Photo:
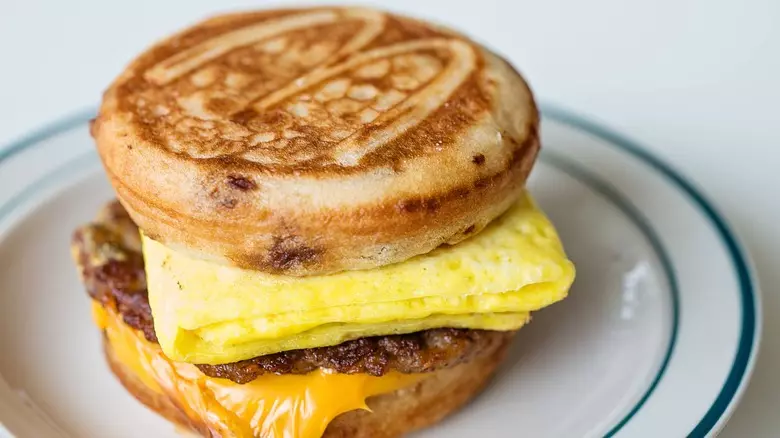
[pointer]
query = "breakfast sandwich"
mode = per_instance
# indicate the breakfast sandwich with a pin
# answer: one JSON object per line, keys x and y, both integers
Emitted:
{"x": 322, "y": 227}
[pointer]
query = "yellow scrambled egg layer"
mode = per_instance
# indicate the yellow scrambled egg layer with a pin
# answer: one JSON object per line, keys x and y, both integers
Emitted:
{"x": 210, "y": 313}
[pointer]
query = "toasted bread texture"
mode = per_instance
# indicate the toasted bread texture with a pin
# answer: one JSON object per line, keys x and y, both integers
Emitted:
{"x": 310, "y": 141}
{"x": 391, "y": 415}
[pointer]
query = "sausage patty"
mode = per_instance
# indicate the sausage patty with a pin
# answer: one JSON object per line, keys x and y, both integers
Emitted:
{"x": 108, "y": 254}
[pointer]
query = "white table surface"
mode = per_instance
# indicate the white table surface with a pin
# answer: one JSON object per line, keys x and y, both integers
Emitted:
{"x": 696, "y": 81}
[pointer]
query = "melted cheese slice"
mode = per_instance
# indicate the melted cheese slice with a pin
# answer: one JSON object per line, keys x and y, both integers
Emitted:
{"x": 210, "y": 313}
{"x": 289, "y": 406}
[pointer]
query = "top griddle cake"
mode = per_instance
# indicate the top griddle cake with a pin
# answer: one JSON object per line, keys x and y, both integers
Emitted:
{"x": 311, "y": 141}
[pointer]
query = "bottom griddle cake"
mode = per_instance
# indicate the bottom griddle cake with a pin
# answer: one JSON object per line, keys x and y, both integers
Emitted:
{"x": 108, "y": 254}
{"x": 393, "y": 414}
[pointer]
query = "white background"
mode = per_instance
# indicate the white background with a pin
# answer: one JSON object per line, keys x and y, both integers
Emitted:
{"x": 697, "y": 81}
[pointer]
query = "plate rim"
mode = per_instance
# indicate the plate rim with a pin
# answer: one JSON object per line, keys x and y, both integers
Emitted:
{"x": 750, "y": 297}
{"x": 611, "y": 193}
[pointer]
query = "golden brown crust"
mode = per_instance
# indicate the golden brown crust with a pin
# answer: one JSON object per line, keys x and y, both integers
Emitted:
{"x": 391, "y": 415}
{"x": 316, "y": 140}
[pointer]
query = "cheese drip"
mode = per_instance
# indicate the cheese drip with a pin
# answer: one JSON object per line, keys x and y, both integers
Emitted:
{"x": 205, "y": 312}
{"x": 271, "y": 406}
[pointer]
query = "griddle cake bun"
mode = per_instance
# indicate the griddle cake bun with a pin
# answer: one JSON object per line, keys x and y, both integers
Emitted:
{"x": 311, "y": 141}
{"x": 395, "y": 414}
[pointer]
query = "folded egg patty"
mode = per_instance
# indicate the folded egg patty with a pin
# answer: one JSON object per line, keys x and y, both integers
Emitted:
{"x": 212, "y": 313}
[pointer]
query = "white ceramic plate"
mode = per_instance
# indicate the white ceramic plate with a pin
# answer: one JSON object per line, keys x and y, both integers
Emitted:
{"x": 657, "y": 338}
